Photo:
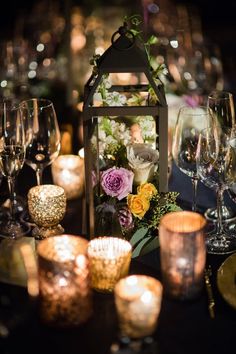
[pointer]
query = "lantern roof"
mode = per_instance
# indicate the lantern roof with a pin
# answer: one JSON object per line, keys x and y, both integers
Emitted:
{"x": 123, "y": 55}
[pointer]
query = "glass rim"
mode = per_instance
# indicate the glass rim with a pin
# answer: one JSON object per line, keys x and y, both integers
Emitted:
{"x": 170, "y": 222}
{"x": 194, "y": 110}
{"x": 223, "y": 95}
{"x": 45, "y": 102}
{"x": 5, "y": 105}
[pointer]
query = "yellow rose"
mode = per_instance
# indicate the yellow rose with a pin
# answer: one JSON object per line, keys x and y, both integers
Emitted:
{"x": 138, "y": 204}
{"x": 147, "y": 189}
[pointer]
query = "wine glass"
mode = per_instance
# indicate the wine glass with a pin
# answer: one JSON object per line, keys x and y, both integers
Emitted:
{"x": 222, "y": 108}
{"x": 230, "y": 227}
{"x": 190, "y": 121}
{"x": 212, "y": 165}
{"x": 42, "y": 134}
{"x": 12, "y": 156}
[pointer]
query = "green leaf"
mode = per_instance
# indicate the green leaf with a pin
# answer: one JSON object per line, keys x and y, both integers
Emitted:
{"x": 174, "y": 207}
{"x": 152, "y": 40}
{"x": 138, "y": 235}
{"x": 150, "y": 246}
{"x": 135, "y": 32}
{"x": 139, "y": 247}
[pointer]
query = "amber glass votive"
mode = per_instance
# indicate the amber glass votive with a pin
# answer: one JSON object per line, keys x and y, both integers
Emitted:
{"x": 68, "y": 172}
{"x": 109, "y": 259}
{"x": 47, "y": 207}
{"x": 138, "y": 302}
{"x": 64, "y": 281}
{"x": 183, "y": 253}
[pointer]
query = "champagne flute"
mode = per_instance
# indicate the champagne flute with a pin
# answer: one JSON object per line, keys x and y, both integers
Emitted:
{"x": 42, "y": 134}
{"x": 222, "y": 108}
{"x": 12, "y": 156}
{"x": 190, "y": 121}
{"x": 213, "y": 164}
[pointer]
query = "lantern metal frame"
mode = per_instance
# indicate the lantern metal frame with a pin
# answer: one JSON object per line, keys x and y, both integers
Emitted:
{"x": 123, "y": 56}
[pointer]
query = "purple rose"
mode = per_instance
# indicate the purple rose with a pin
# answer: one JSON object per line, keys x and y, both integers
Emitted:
{"x": 117, "y": 182}
{"x": 125, "y": 218}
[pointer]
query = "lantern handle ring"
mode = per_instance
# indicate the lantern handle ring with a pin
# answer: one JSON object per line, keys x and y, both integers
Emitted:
{"x": 123, "y": 31}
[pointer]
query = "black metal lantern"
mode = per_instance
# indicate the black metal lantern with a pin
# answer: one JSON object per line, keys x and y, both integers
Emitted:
{"x": 125, "y": 130}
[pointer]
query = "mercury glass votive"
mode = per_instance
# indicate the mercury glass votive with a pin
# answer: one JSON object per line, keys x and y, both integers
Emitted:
{"x": 138, "y": 302}
{"x": 109, "y": 259}
{"x": 64, "y": 280}
{"x": 47, "y": 207}
{"x": 68, "y": 172}
{"x": 182, "y": 253}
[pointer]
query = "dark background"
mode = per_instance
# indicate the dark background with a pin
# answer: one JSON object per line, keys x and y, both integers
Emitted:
{"x": 218, "y": 23}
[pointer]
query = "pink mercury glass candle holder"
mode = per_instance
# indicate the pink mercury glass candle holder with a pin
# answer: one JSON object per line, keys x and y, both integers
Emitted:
{"x": 183, "y": 254}
{"x": 64, "y": 280}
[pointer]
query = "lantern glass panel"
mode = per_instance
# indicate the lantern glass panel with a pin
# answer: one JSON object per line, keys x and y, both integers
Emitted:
{"x": 127, "y": 145}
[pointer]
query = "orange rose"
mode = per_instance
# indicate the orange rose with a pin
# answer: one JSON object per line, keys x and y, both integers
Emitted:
{"x": 138, "y": 204}
{"x": 147, "y": 189}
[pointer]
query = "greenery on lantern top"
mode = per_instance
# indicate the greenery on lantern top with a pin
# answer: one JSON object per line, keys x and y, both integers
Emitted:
{"x": 157, "y": 70}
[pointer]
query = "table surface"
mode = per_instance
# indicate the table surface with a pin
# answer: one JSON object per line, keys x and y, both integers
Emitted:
{"x": 183, "y": 327}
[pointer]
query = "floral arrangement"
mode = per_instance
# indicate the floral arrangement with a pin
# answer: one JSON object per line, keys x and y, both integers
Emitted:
{"x": 127, "y": 201}
{"x": 137, "y": 215}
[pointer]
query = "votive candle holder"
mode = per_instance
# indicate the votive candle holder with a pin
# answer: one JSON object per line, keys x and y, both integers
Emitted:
{"x": 109, "y": 259}
{"x": 64, "y": 281}
{"x": 47, "y": 207}
{"x": 68, "y": 172}
{"x": 182, "y": 254}
{"x": 138, "y": 301}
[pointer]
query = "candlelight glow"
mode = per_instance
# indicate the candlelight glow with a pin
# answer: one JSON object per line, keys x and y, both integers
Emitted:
{"x": 138, "y": 301}
{"x": 64, "y": 283}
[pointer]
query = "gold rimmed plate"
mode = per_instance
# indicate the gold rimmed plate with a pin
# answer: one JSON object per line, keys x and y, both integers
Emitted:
{"x": 226, "y": 280}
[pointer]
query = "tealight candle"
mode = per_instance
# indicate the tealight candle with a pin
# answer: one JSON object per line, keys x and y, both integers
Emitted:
{"x": 109, "y": 261}
{"x": 138, "y": 302}
{"x": 64, "y": 283}
{"x": 183, "y": 253}
{"x": 68, "y": 172}
{"x": 47, "y": 207}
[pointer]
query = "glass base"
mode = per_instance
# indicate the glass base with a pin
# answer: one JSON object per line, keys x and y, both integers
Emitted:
{"x": 220, "y": 244}
{"x": 26, "y": 218}
{"x": 19, "y": 205}
{"x": 228, "y": 214}
{"x": 230, "y": 229}
{"x": 13, "y": 229}
{"x": 40, "y": 233}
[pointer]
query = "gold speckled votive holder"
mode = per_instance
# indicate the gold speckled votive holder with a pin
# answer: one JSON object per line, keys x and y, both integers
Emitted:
{"x": 47, "y": 207}
{"x": 68, "y": 172}
{"x": 138, "y": 302}
{"x": 64, "y": 281}
{"x": 109, "y": 259}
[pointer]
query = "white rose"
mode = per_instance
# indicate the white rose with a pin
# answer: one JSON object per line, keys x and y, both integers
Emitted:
{"x": 143, "y": 161}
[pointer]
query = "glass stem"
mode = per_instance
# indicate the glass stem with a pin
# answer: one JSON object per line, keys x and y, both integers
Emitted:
{"x": 219, "y": 202}
{"x": 39, "y": 176}
{"x": 194, "y": 184}
{"x": 11, "y": 187}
